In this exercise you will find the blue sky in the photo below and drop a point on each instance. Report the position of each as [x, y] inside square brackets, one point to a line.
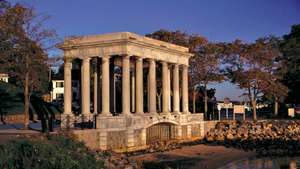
[218, 20]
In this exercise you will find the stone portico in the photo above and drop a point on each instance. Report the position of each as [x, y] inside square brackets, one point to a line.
[145, 66]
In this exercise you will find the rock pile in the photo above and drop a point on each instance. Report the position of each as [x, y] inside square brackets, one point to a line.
[117, 160]
[269, 137]
[160, 146]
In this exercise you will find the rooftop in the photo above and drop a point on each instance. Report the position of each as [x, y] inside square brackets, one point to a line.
[117, 37]
[3, 75]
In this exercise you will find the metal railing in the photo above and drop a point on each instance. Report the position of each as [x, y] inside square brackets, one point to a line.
[78, 122]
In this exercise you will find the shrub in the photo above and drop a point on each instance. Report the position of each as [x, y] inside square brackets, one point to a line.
[55, 152]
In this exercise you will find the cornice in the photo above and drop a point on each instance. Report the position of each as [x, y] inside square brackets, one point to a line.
[119, 42]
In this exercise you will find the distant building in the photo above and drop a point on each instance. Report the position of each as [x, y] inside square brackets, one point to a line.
[57, 89]
[4, 77]
[247, 105]
[57, 93]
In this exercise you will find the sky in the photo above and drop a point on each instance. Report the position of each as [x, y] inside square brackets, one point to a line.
[217, 20]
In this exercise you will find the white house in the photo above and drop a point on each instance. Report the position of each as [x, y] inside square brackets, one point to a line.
[57, 92]
[4, 77]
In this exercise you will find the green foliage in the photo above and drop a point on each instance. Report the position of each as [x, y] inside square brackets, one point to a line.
[204, 65]
[23, 45]
[55, 152]
[290, 48]
[9, 98]
[12, 101]
[255, 67]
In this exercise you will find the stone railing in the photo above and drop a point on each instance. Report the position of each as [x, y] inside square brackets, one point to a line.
[16, 118]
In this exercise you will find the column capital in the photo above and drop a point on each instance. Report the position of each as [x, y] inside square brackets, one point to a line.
[163, 62]
[185, 66]
[139, 58]
[167, 64]
[125, 56]
[68, 60]
[86, 59]
[151, 60]
[68, 64]
[105, 58]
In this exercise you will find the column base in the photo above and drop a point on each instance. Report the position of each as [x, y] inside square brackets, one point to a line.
[152, 113]
[67, 121]
[105, 114]
[165, 113]
[187, 112]
[126, 114]
[139, 114]
[87, 117]
[176, 113]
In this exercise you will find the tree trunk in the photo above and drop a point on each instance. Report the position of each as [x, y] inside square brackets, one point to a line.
[205, 100]
[276, 106]
[253, 102]
[194, 101]
[26, 101]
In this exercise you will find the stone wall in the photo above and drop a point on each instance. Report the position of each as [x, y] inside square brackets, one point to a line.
[184, 132]
[116, 140]
[90, 137]
[209, 125]
[16, 118]
[124, 134]
[195, 130]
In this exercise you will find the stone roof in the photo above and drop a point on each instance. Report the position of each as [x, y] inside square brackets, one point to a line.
[123, 43]
[118, 36]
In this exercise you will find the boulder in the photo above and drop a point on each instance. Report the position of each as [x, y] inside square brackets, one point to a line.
[271, 137]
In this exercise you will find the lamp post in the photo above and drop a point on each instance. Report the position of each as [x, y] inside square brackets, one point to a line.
[219, 111]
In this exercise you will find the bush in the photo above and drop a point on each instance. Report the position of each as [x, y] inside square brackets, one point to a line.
[55, 152]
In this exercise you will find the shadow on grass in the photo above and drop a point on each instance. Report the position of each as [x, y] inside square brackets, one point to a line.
[12, 101]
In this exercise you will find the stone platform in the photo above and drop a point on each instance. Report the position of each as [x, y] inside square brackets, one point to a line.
[130, 133]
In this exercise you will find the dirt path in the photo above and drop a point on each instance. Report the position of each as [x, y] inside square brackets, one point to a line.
[203, 156]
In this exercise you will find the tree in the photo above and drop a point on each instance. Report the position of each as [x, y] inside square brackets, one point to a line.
[195, 44]
[275, 90]
[176, 37]
[8, 98]
[253, 67]
[200, 96]
[205, 69]
[290, 48]
[23, 46]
